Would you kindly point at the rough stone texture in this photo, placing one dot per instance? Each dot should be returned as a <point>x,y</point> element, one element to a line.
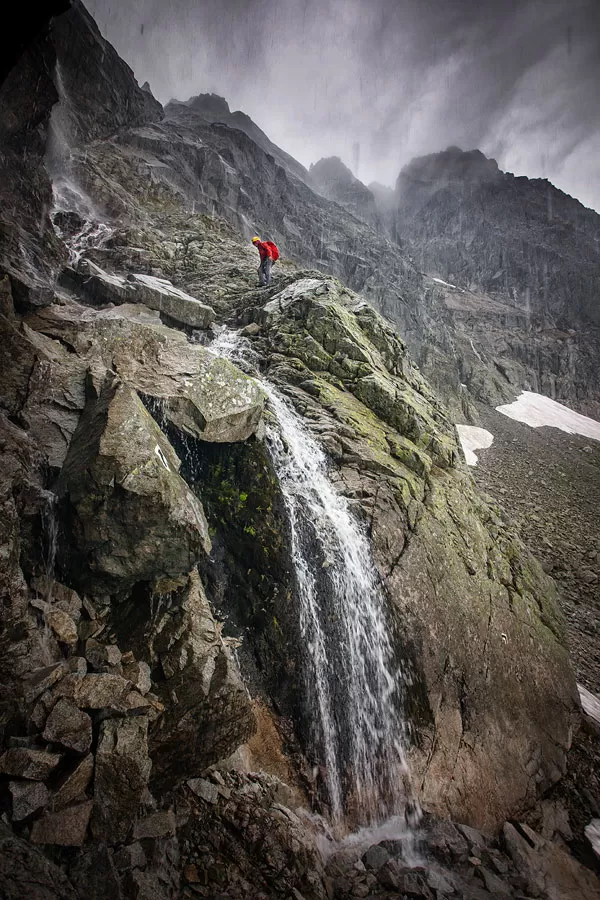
<point>74,784</point>
<point>122,772</point>
<point>213,108</point>
<point>139,674</point>
<point>61,597</point>
<point>444,868</point>
<point>105,95</point>
<point>99,655</point>
<point>94,874</point>
<point>66,827</point>
<point>186,385</point>
<point>525,246</point>
<point>60,622</point>
<point>249,845</point>
<point>547,868</point>
<point>44,385</point>
<point>95,691</point>
<point>30,252</point>
<point>69,726</point>
<point>27,798</point>
<point>24,872</point>
<point>35,765</point>
<point>133,515</point>
<point>492,696</point>
<point>207,711</point>
<point>155,825</point>
<point>38,681</point>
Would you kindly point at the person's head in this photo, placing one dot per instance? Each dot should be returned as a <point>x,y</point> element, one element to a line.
<point>256,240</point>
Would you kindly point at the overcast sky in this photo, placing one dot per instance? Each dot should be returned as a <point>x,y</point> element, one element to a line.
<point>519,79</point>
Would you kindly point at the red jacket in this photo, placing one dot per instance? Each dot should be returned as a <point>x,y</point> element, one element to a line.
<point>263,250</point>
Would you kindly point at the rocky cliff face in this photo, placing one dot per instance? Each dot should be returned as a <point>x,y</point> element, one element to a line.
<point>510,237</point>
<point>522,243</point>
<point>153,646</point>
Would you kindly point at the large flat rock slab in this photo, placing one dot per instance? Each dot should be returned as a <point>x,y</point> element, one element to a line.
<point>155,293</point>
<point>199,393</point>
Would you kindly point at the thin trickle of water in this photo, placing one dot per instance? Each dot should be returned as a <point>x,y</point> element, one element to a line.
<point>351,681</point>
<point>49,540</point>
<point>50,534</point>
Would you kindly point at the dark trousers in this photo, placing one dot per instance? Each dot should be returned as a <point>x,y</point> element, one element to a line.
<point>264,271</point>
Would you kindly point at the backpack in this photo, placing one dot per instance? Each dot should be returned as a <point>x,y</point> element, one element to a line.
<point>274,251</point>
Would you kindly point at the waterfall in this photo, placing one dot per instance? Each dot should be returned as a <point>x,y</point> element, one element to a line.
<point>350,678</point>
<point>69,197</point>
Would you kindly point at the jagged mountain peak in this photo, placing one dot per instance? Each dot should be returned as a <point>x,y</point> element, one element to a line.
<point>215,109</point>
<point>333,179</point>
<point>209,105</point>
<point>452,164</point>
<point>332,167</point>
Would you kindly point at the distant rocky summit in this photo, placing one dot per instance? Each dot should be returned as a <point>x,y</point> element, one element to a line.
<point>334,180</point>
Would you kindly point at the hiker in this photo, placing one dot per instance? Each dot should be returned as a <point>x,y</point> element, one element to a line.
<point>268,255</point>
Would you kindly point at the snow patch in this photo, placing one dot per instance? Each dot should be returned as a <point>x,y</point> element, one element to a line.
<point>536,410</point>
<point>471,439</point>
<point>446,283</point>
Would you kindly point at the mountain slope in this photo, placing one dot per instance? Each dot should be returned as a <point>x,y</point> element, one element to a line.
<point>215,109</point>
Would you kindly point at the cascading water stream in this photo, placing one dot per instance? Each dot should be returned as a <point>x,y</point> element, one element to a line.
<point>69,197</point>
<point>350,676</point>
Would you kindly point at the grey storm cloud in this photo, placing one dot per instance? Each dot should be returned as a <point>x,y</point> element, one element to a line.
<point>378,82</point>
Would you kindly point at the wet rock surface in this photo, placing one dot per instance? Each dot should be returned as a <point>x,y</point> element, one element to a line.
<point>128,446</point>
<point>446,860</point>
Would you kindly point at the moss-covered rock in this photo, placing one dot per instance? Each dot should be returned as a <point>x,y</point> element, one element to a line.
<point>493,700</point>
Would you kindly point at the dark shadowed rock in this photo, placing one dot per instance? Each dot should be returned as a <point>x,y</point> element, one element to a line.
<point>97,86</point>
<point>138,673</point>
<point>375,857</point>
<point>94,875</point>
<point>207,710</point>
<point>155,825</point>
<point>122,772</point>
<point>66,827</point>
<point>74,784</point>
<point>27,798</point>
<point>24,869</point>
<point>99,655</point>
<point>62,597</point>
<point>36,765</point>
<point>41,679</point>
<point>69,726</point>
<point>131,857</point>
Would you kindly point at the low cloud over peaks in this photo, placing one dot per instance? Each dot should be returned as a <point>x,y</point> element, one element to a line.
<point>517,78</point>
